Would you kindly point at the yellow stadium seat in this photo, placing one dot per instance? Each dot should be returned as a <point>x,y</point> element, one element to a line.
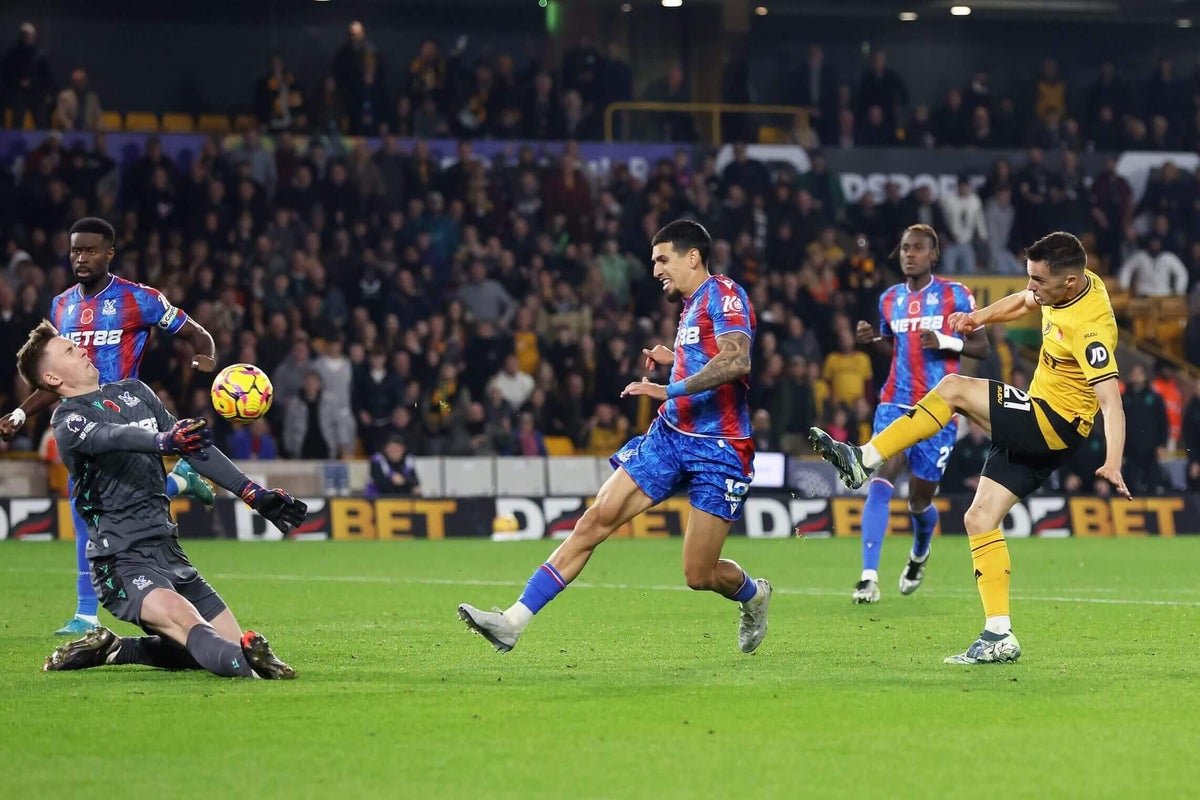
<point>771,134</point>
<point>178,123</point>
<point>559,446</point>
<point>245,122</point>
<point>110,120</point>
<point>213,123</point>
<point>141,122</point>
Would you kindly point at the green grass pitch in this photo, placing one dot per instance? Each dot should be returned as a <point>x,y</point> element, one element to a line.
<point>628,685</point>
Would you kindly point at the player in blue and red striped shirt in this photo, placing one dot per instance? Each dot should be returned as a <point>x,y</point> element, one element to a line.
<point>700,440</point>
<point>111,318</point>
<point>914,330</point>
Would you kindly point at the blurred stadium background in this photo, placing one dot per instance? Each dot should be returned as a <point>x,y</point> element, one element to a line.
<point>430,222</point>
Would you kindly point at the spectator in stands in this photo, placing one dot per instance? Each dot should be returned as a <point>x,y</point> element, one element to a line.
<point>1078,475</point>
<point>77,107</point>
<point>1049,93</point>
<point>966,460</point>
<point>967,225</point>
<point>1166,387</point>
<point>484,298</point>
<point>672,126</point>
<point>329,114</point>
<point>514,385</point>
<point>999,217</point>
<point>763,433</point>
<point>814,86</point>
<point>1190,441</point>
<point>881,86</point>
<point>314,427</point>
<point>875,130</point>
<point>278,100</point>
<point>920,207</point>
<point>376,391</point>
<point>1163,93</point>
<point>1154,272</point>
<point>393,470</point>
<point>848,371</point>
<point>607,431</point>
<point>350,59</point>
<point>950,121</point>
<point>529,441</point>
<point>1147,434</point>
<point>253,442</point>
<point>25,80</point>
<point>1110,91</point>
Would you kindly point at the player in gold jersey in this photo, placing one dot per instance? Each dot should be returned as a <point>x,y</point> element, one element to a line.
<point>1032,433</point>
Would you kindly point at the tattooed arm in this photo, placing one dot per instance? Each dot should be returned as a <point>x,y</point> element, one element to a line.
<point>731,362</point>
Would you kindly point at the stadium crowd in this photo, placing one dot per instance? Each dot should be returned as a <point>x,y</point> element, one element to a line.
<point>484,307</point>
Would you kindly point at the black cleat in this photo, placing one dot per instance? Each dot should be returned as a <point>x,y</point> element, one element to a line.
<point>845,458</point>
<point>93,650</point>
<point>264,662</point>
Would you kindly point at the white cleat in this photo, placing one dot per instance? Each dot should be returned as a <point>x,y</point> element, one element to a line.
<point>752,628</point>
<point>913,574</point>
<point>491,625</point>
<point>865,591</point>
<point>989,648</point>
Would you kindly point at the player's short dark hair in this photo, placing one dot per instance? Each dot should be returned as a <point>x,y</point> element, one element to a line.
<point>928,232</point>
<point>1061,251</point>
<point>95,225</point>
<point>29,357</point>
<point>684,234</point>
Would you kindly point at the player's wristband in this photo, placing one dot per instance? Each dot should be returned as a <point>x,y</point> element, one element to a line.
<point>676,389</point>
<point>249,492</point>
<point>18,417</point>
<point>948,342</point>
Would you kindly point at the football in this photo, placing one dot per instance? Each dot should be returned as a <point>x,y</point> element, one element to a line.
<point>242,392</point>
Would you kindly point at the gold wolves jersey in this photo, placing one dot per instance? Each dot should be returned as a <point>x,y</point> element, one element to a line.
<point>1079,350</point>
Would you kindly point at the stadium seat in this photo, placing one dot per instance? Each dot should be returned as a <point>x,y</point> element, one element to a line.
<point>178,123</point>
<point>472,477</point>
<point>213,123</point>
<point>245,122</point>
<point>559,446</point>
<point>110,121</point>
<point>429,472</point>
<point>141,122</point>
<point>771,134</point>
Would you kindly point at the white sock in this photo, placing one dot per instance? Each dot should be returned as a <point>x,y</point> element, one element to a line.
<point>178,481</point>
<point>870,575</point>
<point>89,618</point>
<point>913,557</point>
<point>870,456</point>
<point>998,624</point>
<point>518,615</point>
<point>756,598</point>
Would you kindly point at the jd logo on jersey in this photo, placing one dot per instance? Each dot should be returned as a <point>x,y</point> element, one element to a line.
<point>1097,355</point>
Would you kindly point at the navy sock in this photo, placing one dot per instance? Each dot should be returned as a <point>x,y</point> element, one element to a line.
<point>543,586</point>
<point>923,524</point>
<point>218,656</point>
<point>747,590</point>
<point>86,604</point>
<point>154,651</point>
<point>875,518</point>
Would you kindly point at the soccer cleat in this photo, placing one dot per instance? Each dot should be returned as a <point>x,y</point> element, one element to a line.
<point>491,625</point>
<point>845,458</point>
<point>989,648</point>
<point>866,591</point>
<point>262,660</point>
<point>93,650</point>
<point>76,626</point>
<point>752,627</point>
<point>913,574</point>
<point>197,487</point>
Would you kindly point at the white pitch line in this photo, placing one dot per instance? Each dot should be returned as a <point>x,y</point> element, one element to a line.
<point>655,587</point>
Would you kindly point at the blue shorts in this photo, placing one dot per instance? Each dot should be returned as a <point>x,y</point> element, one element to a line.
<point>927,459</point>
<point>717,472</point>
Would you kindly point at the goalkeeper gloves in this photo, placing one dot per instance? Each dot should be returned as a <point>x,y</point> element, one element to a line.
<point>187,437</point>
<point>274,505</point>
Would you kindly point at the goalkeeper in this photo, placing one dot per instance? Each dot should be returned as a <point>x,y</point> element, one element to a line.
<point>112,439</point>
